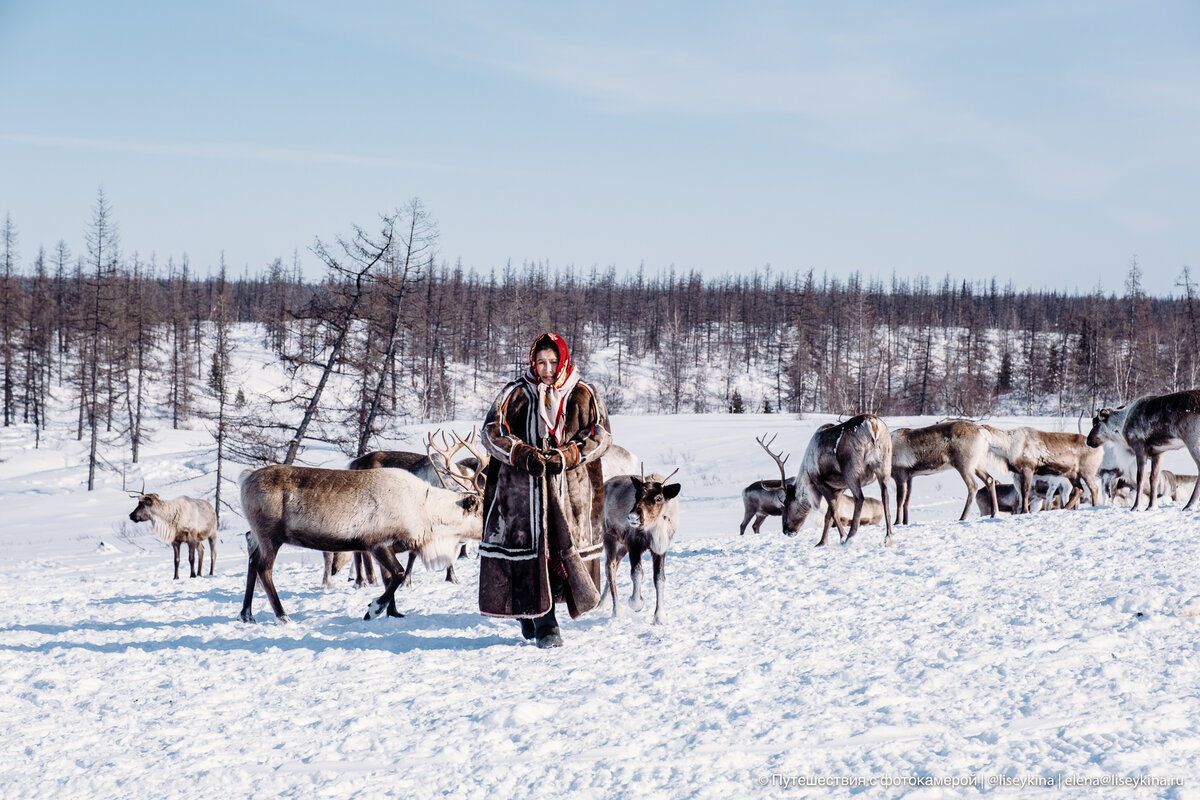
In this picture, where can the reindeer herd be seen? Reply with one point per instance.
(429, 505)
(1057, 469)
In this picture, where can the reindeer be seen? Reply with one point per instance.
(182, 520)
(377, 510)
(1150, 426)
(1051, 489)
(430, 467)
(1007, 499)
(640, 514)
(959, 444)
(1028, 451)
(763, 499)
(844, 456)
(1121, 489)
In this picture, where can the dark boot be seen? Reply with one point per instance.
(545, 628)
(527, 629)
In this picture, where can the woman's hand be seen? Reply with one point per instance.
(553, 460)
(529, 459)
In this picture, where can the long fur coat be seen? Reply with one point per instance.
(515, 554)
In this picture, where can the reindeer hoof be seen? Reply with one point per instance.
(636, 605)
(394, 612)
(246, 616)
(284, 620)
(620, 612)
(660, 619)
(374, 610)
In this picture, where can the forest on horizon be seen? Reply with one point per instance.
(112, 336)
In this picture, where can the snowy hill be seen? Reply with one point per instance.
(1021, 649)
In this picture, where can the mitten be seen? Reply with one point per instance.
(554, 461)
(529, 459)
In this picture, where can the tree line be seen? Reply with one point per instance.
(392, 333)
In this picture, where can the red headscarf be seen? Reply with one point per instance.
(552, 399)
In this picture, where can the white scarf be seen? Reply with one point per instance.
(552, 403)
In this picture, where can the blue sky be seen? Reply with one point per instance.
(1047, 143)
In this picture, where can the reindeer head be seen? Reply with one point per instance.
(796, 506)
(650, 497)
(1102, 431)
(145, 503)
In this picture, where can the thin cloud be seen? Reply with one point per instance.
(219, 151)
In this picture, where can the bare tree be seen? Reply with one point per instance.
(409, 259)
(349, 271)
(101, 237)
(9, 314)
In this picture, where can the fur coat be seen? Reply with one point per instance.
(517, 553)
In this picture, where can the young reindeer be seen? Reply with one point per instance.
(1150, 426)
(179, 521)
(845, 456)
(640, 514)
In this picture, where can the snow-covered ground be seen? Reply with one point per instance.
(1026, 649)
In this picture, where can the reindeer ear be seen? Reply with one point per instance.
(469, 503)
(637, 484)
(671, 490)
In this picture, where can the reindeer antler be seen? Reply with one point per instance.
(780, 461)
(447, 451)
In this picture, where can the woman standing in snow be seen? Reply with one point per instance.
(543, 509)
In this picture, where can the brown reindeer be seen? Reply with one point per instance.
(429, 467)
(640, 514)
(180, 521)
(845, 456)
(959, 444)
(1150, 426)
(378, 510)
(1028, 452)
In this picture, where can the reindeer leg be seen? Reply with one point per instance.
(368, 567)
(387, 600)
(903, 487)
(1194, 449)
(883, 497)
(858, 504)
(1140, 455)
(972, 490)
(330, 566)
(758, 521)
(176, 544)
(212, 555)
(635, 574)
(614, 551)
(196, 559)
(450, 576)
(990, 483)
(264, 564)
(1155, 468)
(660, 587)
(412, 559)
(1025, 488)
(247, 613)
(746, 521)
